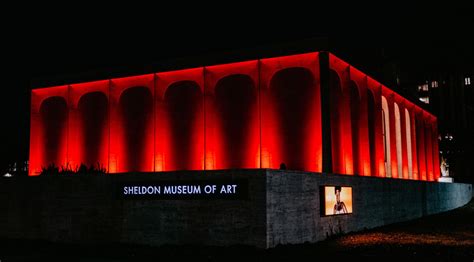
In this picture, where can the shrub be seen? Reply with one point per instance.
(53, 170)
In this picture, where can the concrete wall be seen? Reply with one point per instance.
(86, 209)
(282, 207)
(293, 204)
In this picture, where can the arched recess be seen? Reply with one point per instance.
(183, 103)
(229, 144)
(355, 126)
(293, 94)
(414, 145)
(93, 117)
(436, 164)
(273, 151)
(428, 147)
(37, 127)
(236, 99)
(54, 117)
(421, 147)
(409, 143)
(371, 128)
(398, 140)
(386, 136)
(89, 123)
(168, 86)
(136, 111)
(336, 132)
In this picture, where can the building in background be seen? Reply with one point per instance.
(450, 96)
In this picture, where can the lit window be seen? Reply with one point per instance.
(423, 87)
(434, 84)
(467, 81)
(425, 100)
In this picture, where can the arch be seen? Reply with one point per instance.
(93, 115)
(371, 128)
(355, 125)
(183, 104)
(427, 127)
(237, 101)
(398, 140)
(386, 136)
(54, 115)
(408, 142)
(293, 93)
(414, 145)
(136, 110)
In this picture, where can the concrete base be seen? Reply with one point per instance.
(282, 207)
(446, 179)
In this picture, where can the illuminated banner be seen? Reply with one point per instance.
(336, 200)
(177, 190)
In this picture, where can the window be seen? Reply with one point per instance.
(425, 100)
(434, 84)
(423, 87)
(467, 81)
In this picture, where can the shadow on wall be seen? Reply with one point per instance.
(183, 102)
(93, 110)
(136, 107)
(334, 231)
(236, 98)
(53, 113)
(293, 92)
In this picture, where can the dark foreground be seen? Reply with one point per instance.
(444, 237)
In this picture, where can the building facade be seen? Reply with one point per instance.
(312, 112)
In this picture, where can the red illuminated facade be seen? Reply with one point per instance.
(313, 112)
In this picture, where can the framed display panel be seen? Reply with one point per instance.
(335, 200)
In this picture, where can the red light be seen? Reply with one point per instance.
(253, 114)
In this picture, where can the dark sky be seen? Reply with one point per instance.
(49, 46)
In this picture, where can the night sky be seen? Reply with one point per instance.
(49, 46)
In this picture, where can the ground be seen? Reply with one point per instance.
(447, 236)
